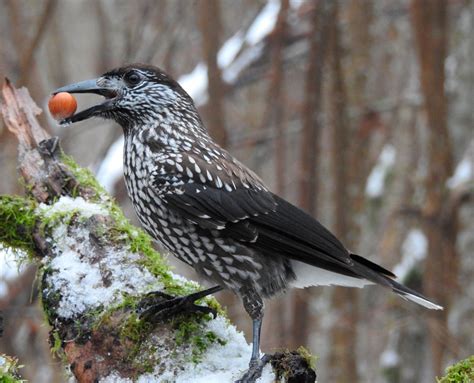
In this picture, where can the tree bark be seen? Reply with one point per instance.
(429, 21)
(210, 25)
(277, 332)
(309, 174)
(342, 358)
(276, 96)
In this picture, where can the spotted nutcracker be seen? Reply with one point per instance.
(210, 210)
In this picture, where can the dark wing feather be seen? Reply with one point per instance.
(218, 209)
(298, 231)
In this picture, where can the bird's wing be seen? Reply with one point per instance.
(236, 202)
(214, 196)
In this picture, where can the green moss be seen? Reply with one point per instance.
(58, 343)
(310, 358)
(193, 333)
(84, 177)
(461, 372)
(9, 370)
(17, 222)
(49, 298)
(134, 329)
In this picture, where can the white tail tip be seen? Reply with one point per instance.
(423, 302)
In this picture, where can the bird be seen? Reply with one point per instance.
(210, 210)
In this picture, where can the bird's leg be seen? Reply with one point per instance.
(161, 306)
(253, 304)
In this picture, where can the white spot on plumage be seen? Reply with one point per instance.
(218, 267)
(200, 254)
(228, 260)
(243, 274)
(224, 275)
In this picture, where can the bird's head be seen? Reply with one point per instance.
(135, 95)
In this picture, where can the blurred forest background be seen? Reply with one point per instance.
(358, 111)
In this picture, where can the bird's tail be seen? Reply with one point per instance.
(412, 295)
(381, 276)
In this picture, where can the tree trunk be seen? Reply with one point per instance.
(210, 25)
(277, 332)
(309, 174)
(342, 358)
(276, 96)
(429, 21)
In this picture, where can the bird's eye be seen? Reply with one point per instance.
(132, 78)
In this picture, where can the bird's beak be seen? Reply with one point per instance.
(89, 86)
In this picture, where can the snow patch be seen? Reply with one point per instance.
(376, 181)
(67, 204)
(389, 358)
(84, 278)
(230, 49)
(414, 250)
(85, 282)
(221, 363)
(263, 23)
(463, 173)
(195, 84)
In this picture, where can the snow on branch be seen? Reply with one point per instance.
(96, 269)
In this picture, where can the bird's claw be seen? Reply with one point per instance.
(255, 370)
(159, 306)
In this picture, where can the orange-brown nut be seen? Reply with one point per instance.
(62, 105)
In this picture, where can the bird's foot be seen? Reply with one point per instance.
(255, 369)
(159, 306)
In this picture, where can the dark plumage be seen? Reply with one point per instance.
(211, 211)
